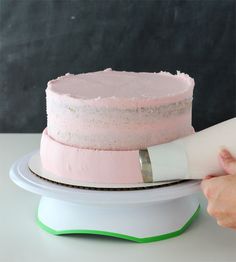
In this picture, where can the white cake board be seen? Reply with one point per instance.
(140, 215)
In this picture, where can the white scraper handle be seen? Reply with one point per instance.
(194, 156)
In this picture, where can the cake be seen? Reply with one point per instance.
(113, 110)
(97, 122)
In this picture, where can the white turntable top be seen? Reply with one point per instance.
(22, 175)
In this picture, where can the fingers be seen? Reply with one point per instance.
(227, 162)
(208, 186)
(212, 185)
(228, 223)
(209, 176)
(221, 195)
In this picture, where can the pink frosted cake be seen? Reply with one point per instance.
(114, 110)
(99, 118)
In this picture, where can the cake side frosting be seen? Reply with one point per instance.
(92, 166)
(113, 110)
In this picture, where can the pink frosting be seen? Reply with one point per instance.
(111, 110)
(106, 167)
(119, 85)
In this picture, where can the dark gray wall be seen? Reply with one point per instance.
(40, 40)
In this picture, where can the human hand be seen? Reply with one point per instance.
(220, 192)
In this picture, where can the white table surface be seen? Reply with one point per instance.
(22, 240)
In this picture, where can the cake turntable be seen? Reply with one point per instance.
(144, 213)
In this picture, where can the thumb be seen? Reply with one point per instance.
(227, 162)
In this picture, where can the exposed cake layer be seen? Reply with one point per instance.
(85, 165)
(113, 110)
